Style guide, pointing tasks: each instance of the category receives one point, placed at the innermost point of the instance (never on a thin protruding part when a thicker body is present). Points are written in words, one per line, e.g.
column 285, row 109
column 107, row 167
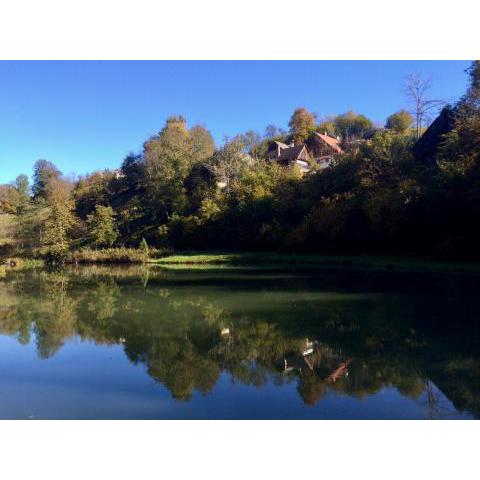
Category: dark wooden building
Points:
column 425, row 149
column 289, row 155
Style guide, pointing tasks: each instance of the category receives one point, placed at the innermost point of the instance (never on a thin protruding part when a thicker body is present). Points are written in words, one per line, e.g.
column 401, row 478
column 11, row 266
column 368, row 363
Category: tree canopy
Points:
column 301, row 124
column 181, row 191
column 399, row 121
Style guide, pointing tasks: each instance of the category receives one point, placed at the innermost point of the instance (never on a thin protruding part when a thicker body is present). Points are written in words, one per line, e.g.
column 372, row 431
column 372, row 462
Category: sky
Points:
column 88, row 115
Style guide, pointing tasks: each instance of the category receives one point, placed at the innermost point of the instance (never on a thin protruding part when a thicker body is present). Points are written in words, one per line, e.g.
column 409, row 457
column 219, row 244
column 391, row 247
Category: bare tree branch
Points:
column 416, row 89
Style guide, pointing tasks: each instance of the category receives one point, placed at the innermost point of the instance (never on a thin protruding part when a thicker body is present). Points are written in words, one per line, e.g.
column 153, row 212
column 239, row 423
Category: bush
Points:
column 55, row 255
column 113, row 255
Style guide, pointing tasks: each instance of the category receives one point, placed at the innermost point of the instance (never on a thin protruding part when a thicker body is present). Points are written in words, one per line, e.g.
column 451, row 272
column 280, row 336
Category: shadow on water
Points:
column 351, row 334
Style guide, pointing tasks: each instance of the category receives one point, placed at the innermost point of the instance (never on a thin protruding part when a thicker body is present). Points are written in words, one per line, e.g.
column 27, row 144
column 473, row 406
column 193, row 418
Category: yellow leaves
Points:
column 209, row 209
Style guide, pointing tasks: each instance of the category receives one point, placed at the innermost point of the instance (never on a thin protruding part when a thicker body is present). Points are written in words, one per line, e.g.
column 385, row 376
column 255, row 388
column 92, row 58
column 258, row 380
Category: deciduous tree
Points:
column 400, row 121
column 301, row 124
column 351, row 126
column 102, row 229
column 416, row 90
column 45, row 173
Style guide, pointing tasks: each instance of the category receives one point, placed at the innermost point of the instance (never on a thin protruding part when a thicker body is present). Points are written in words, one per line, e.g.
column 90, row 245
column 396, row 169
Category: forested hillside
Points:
column 183, row 192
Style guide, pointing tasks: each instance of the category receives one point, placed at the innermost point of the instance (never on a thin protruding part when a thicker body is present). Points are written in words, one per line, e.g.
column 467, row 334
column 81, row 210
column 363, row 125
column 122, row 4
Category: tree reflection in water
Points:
column 327, row 333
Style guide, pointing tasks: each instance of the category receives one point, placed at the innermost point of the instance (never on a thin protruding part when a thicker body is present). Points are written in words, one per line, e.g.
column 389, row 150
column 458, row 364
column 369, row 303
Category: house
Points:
column 320, row 149
column 289, row 155
column 323, row 148
column 425, row 149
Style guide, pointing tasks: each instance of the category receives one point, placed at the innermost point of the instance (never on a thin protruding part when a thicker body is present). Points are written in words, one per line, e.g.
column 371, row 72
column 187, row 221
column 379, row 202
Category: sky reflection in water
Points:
column 98, row 342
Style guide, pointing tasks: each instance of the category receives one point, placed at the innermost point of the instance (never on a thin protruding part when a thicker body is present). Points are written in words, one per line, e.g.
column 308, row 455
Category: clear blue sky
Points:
column 86, row 116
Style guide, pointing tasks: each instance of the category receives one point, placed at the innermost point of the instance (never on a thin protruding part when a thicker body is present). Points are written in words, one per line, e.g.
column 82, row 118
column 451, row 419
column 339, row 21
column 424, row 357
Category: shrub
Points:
column 55, row 255
column 113, row 255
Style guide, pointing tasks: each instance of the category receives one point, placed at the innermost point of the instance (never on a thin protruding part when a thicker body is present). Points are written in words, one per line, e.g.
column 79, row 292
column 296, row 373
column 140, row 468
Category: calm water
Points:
column 148, row 343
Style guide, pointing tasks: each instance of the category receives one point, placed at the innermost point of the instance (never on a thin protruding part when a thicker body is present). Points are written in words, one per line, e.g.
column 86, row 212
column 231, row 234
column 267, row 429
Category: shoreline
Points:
column 194, row 260
column 270, row 260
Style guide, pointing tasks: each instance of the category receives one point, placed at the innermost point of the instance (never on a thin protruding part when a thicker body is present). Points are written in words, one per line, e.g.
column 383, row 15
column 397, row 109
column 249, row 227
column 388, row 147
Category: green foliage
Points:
column 181, row 192
column 92, row 190
column 301, row 124
column 14, row 197
column 400, row 121
column 393, row 344
column 169, row 158
column 144, row 247
column 101, row 226
column 203, row 146
column 351, row 126
column 9, row 199
column 229, row 163
column 22, row 187
column 328, row 125
column 252, row 141
column 471, row 100
column 56, row 230
column 45, row 174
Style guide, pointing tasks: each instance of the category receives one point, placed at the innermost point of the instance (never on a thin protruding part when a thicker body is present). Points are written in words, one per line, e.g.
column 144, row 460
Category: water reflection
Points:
column 329, row 335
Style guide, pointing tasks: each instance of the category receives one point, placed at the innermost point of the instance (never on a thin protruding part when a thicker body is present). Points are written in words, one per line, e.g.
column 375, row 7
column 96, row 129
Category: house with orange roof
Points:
column 320, row 149
column 323, row 148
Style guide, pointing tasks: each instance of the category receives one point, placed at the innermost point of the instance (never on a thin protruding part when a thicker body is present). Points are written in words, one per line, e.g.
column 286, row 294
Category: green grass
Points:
column 268, row 260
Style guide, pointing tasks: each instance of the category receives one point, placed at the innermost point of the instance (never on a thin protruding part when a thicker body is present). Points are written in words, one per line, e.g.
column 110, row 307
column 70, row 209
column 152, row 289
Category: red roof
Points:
column 333, row 143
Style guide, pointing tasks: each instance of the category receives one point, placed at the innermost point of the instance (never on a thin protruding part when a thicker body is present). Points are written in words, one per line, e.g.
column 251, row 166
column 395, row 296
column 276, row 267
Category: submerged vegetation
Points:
column 183, row 193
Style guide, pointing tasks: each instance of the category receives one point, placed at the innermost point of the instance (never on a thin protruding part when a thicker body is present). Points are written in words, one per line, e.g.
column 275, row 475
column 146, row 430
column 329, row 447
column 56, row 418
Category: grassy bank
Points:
column 88, row 256
column 269, row 260
column 108, row 255
column 249, row 260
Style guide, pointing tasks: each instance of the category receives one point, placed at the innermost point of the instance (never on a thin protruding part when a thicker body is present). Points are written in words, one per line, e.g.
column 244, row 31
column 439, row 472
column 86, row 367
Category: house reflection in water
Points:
column 310, row 359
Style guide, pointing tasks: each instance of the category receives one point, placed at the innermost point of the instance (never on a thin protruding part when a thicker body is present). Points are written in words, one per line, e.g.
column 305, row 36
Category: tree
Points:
column 400, row 121
column 203, row 145
column 230, row 162
column 252, row 141
column 92, row 190
column 58, row 226
column 351, row 126
column 102, row 229
column 30, row 225
column 22, row 186
column 301, row 124
column 272, row 131
column 199, row 184
column 45, row 173
column 327, row 125
column 472, row 97
column 169, row 157
column 416, row 90
column 9, row 199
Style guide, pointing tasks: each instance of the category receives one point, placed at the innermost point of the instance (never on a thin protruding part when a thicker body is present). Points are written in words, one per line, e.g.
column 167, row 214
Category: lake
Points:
column 149, row 343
